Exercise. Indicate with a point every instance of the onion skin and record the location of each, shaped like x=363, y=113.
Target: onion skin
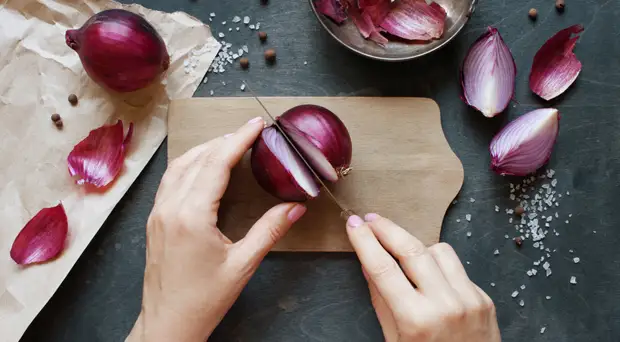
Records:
x=525, y=144
x=323, y=129
x=120, y=50
x=271, y=174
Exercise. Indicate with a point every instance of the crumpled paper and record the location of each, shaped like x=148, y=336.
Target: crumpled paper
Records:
x=37, y=73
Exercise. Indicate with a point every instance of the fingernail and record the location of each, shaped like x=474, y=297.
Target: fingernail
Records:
x=355, y=221
x=371, y=217
x=255, y=120
x=296, y=213
x=228, y=135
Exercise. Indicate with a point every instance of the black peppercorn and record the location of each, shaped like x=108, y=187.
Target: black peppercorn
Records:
x=244, y=62
x=270, y=55
x=73, y=99
x=262, y=35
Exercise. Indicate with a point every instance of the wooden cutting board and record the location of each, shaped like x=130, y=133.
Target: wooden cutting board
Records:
x=402, y=165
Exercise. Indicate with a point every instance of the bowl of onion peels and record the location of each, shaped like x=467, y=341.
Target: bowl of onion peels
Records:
x=393, y=30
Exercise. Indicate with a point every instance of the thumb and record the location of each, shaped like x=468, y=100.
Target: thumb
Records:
x=269, y=229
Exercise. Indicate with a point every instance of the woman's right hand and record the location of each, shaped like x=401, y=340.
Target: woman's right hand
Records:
x=429, y=297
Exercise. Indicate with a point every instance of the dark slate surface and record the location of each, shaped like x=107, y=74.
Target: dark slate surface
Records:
x=323, y=297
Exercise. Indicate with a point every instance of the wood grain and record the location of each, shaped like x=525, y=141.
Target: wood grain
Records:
x=402, y=166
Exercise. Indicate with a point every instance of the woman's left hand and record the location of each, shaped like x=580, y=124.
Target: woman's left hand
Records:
x=193, y=272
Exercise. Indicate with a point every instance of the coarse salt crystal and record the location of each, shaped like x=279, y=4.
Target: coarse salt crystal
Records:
x=506, y=236
x=467, y=262
x=458, y=220
x=548, y=272
x=509, y=211
x=235, y=56
x=497, y=209
x=512, y=197
x=548, y=297
x=252, y=27
x=472, y=200
x=221, y=35
x=305, y=62
x=468, y=234
x=246, y=20
x=236, y=28
x=576, y=260
x=257, y=26
x=522, y=302
x=573, y=280
x=230, y=29
x=546, y=265
x=566, y=221
x=468, y=217
x=510, y=220
x=245, y=48
x=529, y=273
x=492, y=284
x=522, y=287
x=534, y=271
x=211, y=93
x=542, y=330
x=496, y=252
x=242, y=87
x=212, y=14
x=223, y=23
x=570, y=251
x=554, y=182
x=236, y=19
x=515, y=294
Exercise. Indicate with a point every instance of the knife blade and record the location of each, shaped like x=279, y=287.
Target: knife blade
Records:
x=345, y=213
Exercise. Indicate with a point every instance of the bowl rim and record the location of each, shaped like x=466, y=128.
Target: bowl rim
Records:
x=318, y=15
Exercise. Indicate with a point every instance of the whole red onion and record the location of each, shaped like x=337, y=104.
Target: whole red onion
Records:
x=120, y=50
x=319, y=135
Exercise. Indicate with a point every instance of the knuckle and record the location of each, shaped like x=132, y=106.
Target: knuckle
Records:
x=456, y=313
x=383, y=269
x=412, y=250
x=442, y=248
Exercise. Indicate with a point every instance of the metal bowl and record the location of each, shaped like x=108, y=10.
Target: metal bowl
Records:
x=347, y=34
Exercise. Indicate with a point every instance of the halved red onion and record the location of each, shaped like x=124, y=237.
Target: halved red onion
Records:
x=99, y=158
x=42, y=238
x=279, y=170
x=525, y=144
x=415, y=20
x=488, y=74
x=317, y=134
x=334, y=9
x=120, y=50
x=321, y=137
x=555, y=66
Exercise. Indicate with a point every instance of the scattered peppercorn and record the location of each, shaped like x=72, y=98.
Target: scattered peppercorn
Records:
x=55, y=117
x=519, y=210
x=73, y=100
x=559, y=5
x=518, y=241
x=533, y=13
x=58, y=124
x=244, y=62
x=270, y=55
x=262, y=35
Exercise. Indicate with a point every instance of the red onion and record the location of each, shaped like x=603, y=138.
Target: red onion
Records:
x=319, y=135
x=488, y=74
x=42, y=238
x=120, y=50
x=555, y=65
x=525, y=144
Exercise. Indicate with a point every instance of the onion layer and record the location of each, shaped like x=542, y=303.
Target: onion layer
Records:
x=99, y=158
x=555, y=65
x=488, y=74
x=120, y=50
x=42, y=238
x=525, y=144
x=319, y=135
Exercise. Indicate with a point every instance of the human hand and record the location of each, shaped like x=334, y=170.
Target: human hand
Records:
x=444, y=305
x=193, y=272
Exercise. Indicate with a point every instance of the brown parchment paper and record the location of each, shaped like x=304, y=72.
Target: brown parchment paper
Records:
x=37, y=73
